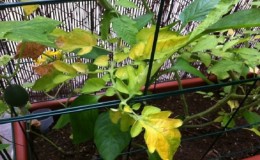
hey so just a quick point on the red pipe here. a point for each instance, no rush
(20, 141)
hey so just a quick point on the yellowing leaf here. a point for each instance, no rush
(161, 133)
(77, 39)
(128, 109)
(115, 116)
(233, 104)
(102, 61)
(120, 56)
(121, 73)
(80, 67)
(30, 8)
(150, 110)
(64, 67)
(167, 43)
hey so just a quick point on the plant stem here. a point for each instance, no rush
(198, 125)
(49, 141)
(210, 110)
(183, 98)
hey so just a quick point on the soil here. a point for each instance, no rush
(233, 145)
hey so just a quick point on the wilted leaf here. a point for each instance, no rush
(233, 104)
(29, 50)
(43, 69)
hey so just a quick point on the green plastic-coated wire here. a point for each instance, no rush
(110, 104)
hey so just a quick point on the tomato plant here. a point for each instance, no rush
(213, 43)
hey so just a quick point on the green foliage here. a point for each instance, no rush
(93, 85)
(221, 9)
(143, 20)
(3, 107)
(197, 11)
(183, 65)
(83, 123)
(4, 146)
(240, 19)
(108, 137)
(4, 59)
(125, 28)
(126, 3)
(44, 83)
(39, 26)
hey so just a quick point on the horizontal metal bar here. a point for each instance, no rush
(110, 104)
(16, 4)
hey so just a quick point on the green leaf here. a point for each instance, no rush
(221, 9)
(126, 4)
(50, 81)
(95, 52)
(121, 86)
(206, 43)
(5, 59)
(255, 3)
(39, 26)
(252, 117)
(125, 28)
(105, 24)
(153, 156)
(83, 122)
(226, 119)
(136, 129)
(143, 20)
(197, 11)
(93, 85)
(205, 58)
(108, 137)
(221, 68)
(4, 146)
(241, 19)
(3, 107)
(64, 67)
(183, 65)
(62, 121)
(250, 56)
(150, 110)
